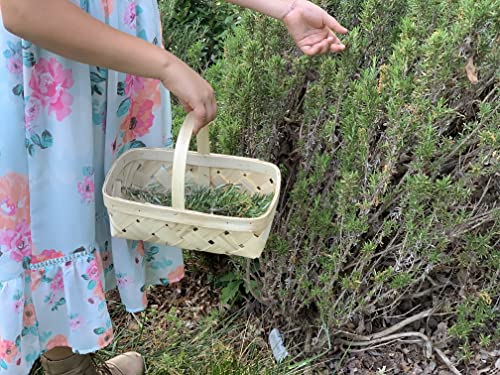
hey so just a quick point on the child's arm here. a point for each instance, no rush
(63, 28)
(311, 27)
(273, 8)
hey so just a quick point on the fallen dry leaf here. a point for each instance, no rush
(470, 68)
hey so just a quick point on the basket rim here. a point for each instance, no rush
(110, 199)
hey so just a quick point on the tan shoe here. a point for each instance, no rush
(77, 364)
(130, 363)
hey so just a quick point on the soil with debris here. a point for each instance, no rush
(194, 297)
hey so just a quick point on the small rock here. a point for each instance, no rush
(430, 368)
(133, 326)
(497, 364)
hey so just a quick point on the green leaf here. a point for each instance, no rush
(137, 144)
(123, 107)
(32, 357)
(254, 286)
(120, 90)
(96, 78)
(153, 250)
(18, 90)
(95, 89)
(92, 285)
(230, 291)
(28, 59)
(231, 276)
(47, 140)
(99, 331)
(35, 138)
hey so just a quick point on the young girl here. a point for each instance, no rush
(82, 81)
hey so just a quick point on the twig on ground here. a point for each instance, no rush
(390, 330)
(424, 338)
(380, 345)
(447, 361)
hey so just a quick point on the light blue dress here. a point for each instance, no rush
(63, 125)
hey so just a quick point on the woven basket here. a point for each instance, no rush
(177, 226)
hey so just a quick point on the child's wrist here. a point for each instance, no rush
(289, 7)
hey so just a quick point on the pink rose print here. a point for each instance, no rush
(29, 315)
(176, 274)
(86, 189)
(57, 282)
(123, 281)
(140, 248)
(75, 323)
(59, 340)
(130, 14)
(138, 121)
(36, 278)
(106, 258)
(14, 57)
(52, 299)
(151, 90)
(133, 85)
(93, 271)
(50, 83)
(31, 112)
(17, 242)
(8, 351)
(46, 255)
(99, 291)
(15, 64)
(107, 6)
(19, 305)
(8, 207)
(106, 338)
(14, 200)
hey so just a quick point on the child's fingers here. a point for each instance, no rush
(335, 39)
(201, 116)
(333, 24)
(337, 48)
(317, 48)
(211, 109)
(310, 50)
(325, 46)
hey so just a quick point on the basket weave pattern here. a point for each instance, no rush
(176, 226)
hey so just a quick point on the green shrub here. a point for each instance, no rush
(194, 30)
(390, 154)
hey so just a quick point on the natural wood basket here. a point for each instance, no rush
(177, 226)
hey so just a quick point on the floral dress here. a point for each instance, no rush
(63, 125)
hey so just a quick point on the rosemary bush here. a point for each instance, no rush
(390, 155)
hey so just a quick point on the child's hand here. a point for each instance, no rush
(194, 93)
(313, 29)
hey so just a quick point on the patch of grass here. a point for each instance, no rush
(213, 346)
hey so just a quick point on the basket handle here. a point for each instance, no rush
(180, 158)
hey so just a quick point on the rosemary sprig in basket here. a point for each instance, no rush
(225, 200)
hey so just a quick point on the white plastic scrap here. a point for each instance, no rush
(276, 343)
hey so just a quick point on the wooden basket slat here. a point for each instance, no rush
(141, 168)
